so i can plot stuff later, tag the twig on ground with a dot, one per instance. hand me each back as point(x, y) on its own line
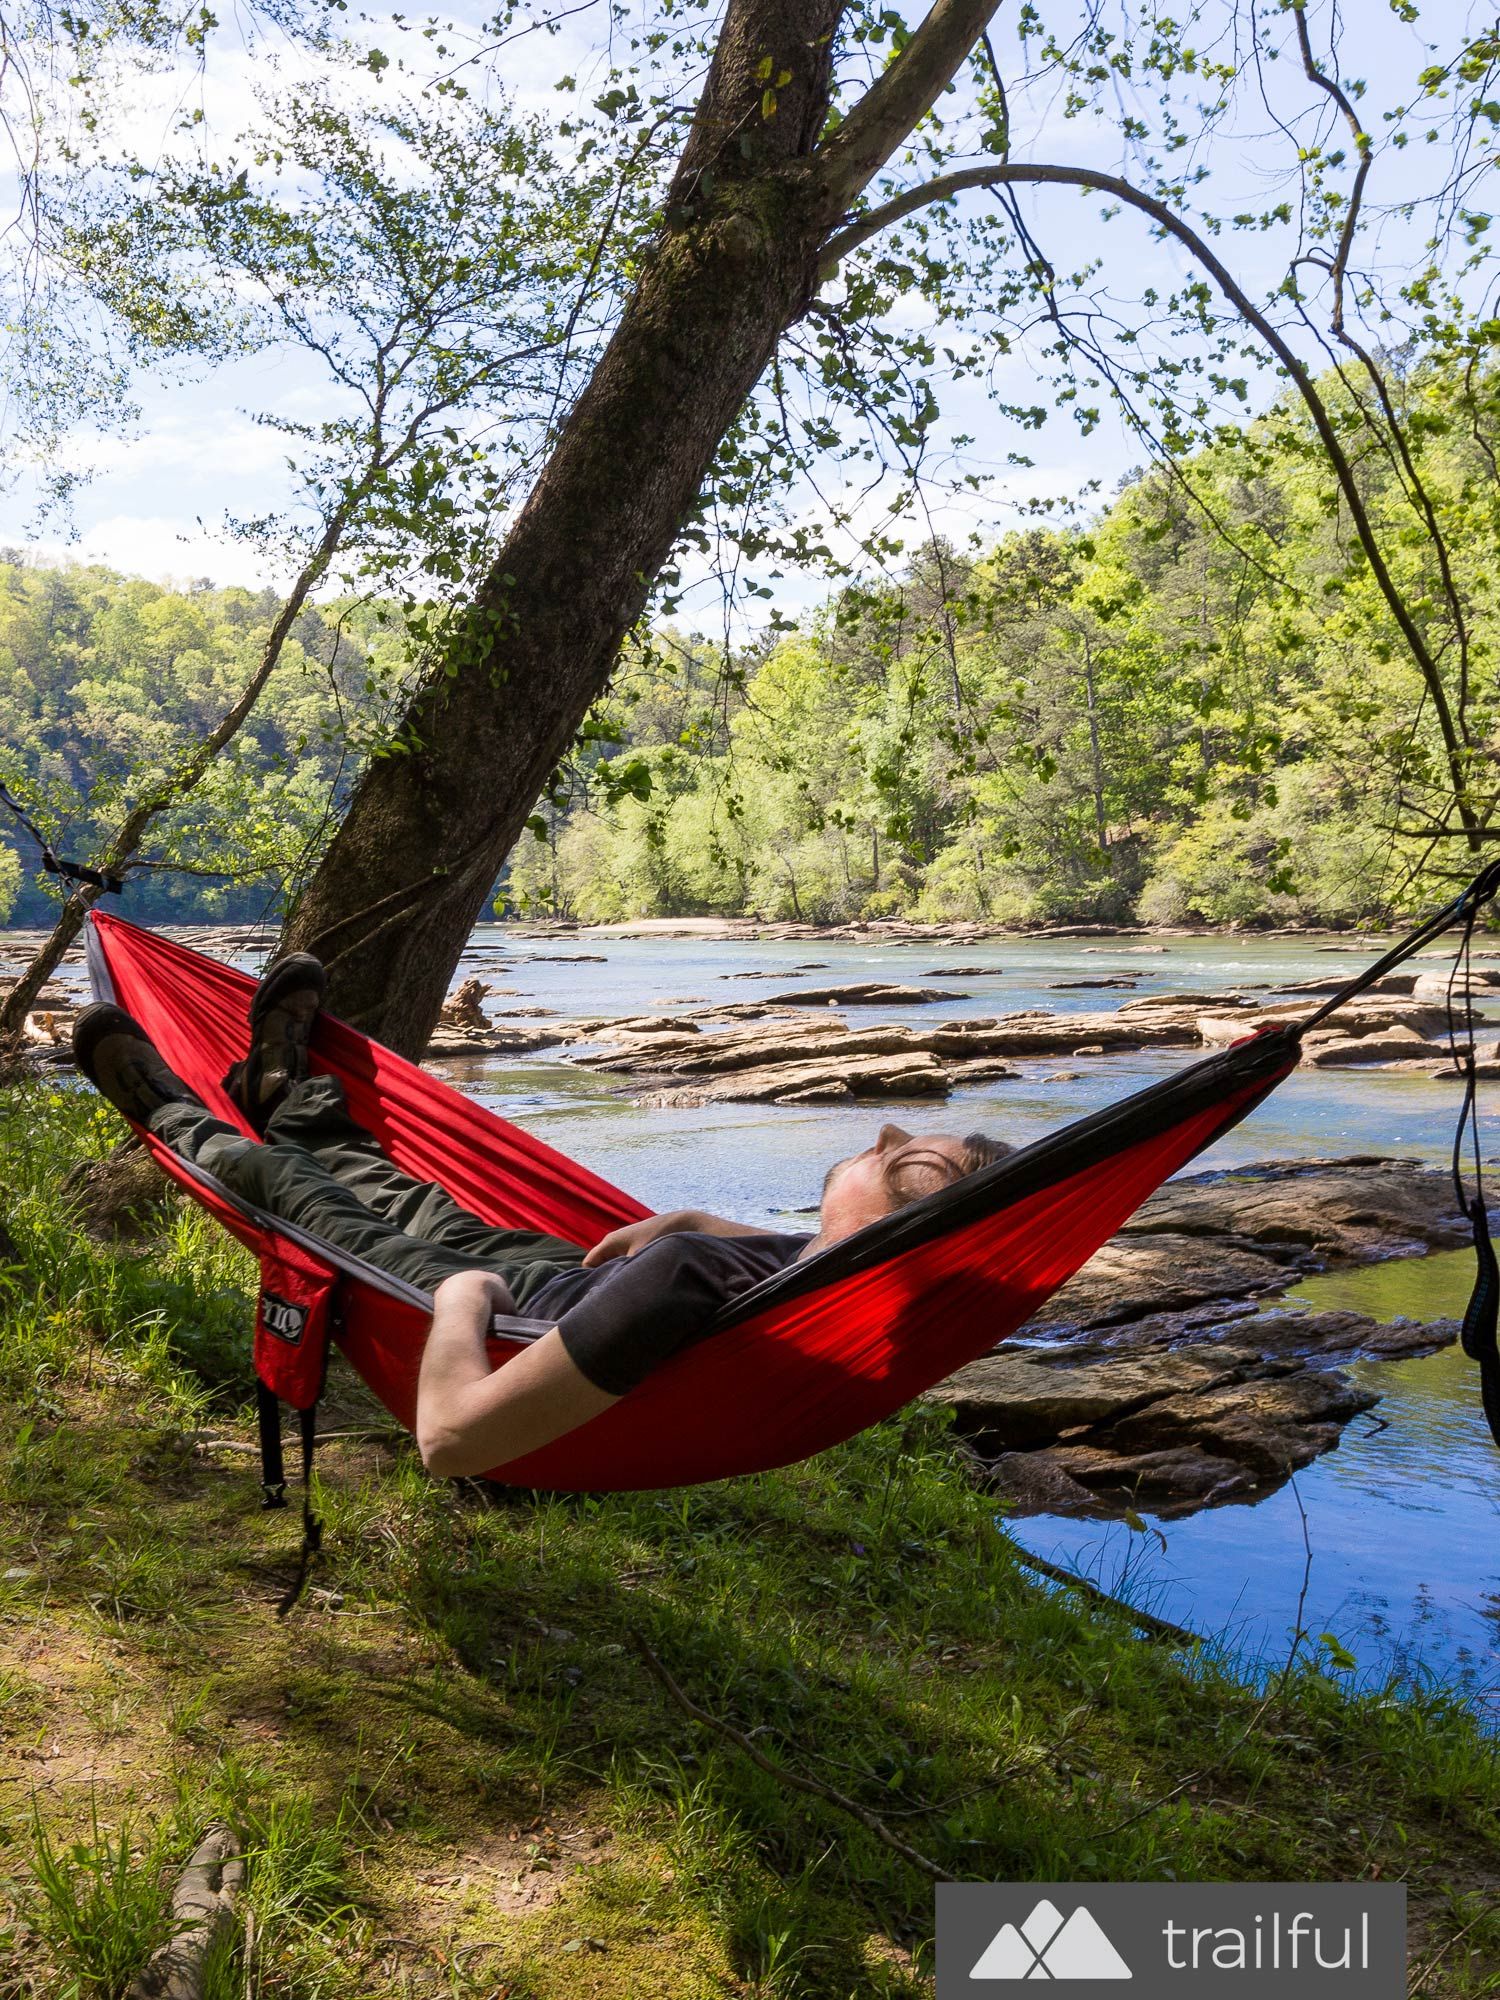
point(1437, 1958)
point(794, 1780)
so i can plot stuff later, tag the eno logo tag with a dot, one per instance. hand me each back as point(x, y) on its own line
point(283, 1319)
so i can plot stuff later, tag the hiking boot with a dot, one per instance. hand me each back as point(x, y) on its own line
point(122, 1063)
point(283, 1015)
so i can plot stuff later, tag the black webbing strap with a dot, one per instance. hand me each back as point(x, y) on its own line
point(273, 1480)
point(1479, 1334)
point(70, 871)
point(272, 1468)
point(312, 1527)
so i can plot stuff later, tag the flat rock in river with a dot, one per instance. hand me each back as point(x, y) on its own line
point(870, 993)
point(1163, 1272)
point(838, 1079)
point(1352, 1210)
point(1016, 1402)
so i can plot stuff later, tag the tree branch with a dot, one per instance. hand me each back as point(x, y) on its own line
point(890, 109)
point(1012, 174)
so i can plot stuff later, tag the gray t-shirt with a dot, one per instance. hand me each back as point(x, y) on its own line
point(623, 1319)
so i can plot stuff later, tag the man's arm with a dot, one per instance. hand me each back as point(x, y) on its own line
point(635, 1236)
point(471, 1415)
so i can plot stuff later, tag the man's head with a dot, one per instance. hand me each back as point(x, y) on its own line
point(896, 1170)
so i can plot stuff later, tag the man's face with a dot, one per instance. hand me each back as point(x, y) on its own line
point(896, 1169)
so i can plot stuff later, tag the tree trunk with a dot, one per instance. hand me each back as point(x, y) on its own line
point(736, 262)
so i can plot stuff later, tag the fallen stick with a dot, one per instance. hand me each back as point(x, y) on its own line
point(1159, 1628)
point(202, 1908)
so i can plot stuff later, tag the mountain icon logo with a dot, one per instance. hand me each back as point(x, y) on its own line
point(1045, 1947)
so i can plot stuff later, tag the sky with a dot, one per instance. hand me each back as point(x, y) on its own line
point(156, 500)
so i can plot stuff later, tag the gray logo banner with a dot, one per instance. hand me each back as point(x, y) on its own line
point(1196, 1940)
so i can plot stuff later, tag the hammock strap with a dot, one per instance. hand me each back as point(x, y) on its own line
point(272, 1465)
point(1465, 907)
point(70, 871)
point(312, 1527)
point(1479, 1334)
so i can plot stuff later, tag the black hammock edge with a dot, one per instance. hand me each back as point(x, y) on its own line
point(1056, 1157)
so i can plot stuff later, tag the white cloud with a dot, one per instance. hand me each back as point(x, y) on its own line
point(163, 547)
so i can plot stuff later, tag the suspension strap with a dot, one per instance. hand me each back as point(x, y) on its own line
point(272, 1467)
point(1479, 1334)
point(71, 871)
point(312, 1527)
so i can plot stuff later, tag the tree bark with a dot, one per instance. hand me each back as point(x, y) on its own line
point(736, 262)
point(410, 869)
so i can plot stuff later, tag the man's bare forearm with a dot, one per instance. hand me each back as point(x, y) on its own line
point(456, 1357)
point(471, 1415)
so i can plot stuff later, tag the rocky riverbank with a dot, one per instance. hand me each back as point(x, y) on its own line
point(1171, 1373)
point(768, 1051)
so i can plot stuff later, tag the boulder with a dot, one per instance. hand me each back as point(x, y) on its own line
point(1271, 1426)
point(1345, 1210)
point(488, 1041)
point(1162, 1272)
point(1108, 979)
point(1176, 1481)
point(1014, 1402)
point(1032, 1482)
point(826, 1081)
point(1387, 1045)
point(1360, 1017)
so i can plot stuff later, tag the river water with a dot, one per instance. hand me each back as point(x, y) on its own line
point(1392, 1541)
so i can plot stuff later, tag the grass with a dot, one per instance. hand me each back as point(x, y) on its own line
point(452, 1770)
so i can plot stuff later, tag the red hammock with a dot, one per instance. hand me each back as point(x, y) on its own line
point(805, 1360)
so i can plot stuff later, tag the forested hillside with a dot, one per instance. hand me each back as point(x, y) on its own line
point(105, 683)
point(1190, 708)
point(1194, 708)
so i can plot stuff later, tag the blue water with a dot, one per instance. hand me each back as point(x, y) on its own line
point(1402, 1521)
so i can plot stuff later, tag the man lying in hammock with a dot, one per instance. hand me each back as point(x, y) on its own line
point(618, 1311)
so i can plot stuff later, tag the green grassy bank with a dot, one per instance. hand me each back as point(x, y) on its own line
point(456, 1769)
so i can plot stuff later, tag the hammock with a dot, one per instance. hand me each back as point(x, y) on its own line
point(801, 1362)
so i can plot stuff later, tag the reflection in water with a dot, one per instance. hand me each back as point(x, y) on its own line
point(1403, 1525)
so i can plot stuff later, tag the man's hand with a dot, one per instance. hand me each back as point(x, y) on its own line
point(636, 1235)
point(680, 1221)
point(476, 1289)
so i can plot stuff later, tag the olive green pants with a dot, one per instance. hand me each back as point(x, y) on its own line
point(321, 1171)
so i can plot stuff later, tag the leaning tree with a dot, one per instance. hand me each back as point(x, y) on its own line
point(803, 200)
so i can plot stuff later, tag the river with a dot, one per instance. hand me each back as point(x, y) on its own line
point(1394, 1537)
